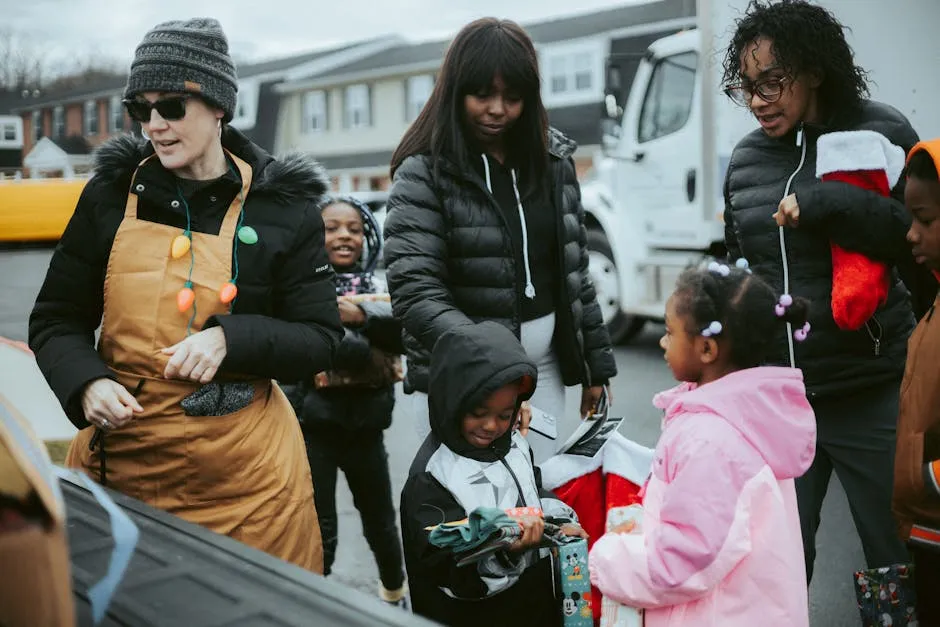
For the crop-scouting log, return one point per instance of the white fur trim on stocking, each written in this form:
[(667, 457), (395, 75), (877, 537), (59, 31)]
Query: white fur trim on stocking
[(627, 459), (849, 151), (560, 469)]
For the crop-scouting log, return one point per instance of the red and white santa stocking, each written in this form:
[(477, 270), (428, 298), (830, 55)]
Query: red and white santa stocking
[(869, 160)]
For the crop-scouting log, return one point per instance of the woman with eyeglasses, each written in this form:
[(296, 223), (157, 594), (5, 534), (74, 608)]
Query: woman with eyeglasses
[(203, 260), (789, 63)]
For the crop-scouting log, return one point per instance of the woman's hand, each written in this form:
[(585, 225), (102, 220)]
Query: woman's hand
[(198, 357), (350, 314), (572, 529), (525, 417), (788, 212), (590, 395), (107, 404), (532, 529)]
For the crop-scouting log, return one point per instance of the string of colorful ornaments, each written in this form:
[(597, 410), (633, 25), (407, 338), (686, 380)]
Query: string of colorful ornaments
[(182, 244)]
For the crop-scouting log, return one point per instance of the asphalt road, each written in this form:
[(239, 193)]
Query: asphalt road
[(642, 373)]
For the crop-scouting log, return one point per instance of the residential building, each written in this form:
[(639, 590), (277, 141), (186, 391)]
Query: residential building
[(11, 134), (353, 116), (62, 127)]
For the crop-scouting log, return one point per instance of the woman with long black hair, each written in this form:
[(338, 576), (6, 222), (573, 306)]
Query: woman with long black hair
[(485, 223)]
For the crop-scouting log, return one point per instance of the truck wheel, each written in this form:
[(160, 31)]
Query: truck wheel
[(621, 326)]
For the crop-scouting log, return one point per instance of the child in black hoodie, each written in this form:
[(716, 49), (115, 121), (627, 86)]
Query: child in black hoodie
[(474, 457), (344, 412)]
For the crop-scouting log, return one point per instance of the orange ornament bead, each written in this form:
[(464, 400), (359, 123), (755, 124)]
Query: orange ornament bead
[(227, 293), (181, 245), (185, 299)]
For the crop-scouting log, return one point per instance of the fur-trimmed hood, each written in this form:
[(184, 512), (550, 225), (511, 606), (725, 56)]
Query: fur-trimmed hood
[(288, 178)]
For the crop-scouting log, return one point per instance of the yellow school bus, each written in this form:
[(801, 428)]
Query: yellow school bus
[(35, 210)]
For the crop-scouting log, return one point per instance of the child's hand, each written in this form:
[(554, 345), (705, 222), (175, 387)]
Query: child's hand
[(532, 529), (627, 527), (350, 314), (571, 529), (525, 417)]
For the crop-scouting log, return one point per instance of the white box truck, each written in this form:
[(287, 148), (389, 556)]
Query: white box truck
[(654, 200)]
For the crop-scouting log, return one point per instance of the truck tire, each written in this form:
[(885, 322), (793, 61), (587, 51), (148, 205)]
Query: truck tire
[(603, 270)]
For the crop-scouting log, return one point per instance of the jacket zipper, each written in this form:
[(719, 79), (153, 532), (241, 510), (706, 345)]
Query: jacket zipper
[(517, 306), (800, 141), (876, 340)]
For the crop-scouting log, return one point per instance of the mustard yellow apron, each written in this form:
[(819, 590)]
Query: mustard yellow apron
[(244, 474)]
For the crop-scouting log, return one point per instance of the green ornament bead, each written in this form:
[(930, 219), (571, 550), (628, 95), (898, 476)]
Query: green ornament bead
[(247, 235)]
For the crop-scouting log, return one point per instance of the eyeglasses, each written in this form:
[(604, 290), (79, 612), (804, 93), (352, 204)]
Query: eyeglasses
[(769, 90), (170, 108)]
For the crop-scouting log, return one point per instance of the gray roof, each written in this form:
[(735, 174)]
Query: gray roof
[(551, 31), (116, 82), (98, 84), (286, 63)]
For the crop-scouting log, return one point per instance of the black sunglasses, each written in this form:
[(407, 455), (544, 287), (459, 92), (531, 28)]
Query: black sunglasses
[(170, 108)]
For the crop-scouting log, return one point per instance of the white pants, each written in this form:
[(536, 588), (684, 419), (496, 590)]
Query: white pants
[(549, 394)]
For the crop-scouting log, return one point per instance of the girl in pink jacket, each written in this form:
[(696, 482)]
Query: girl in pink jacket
[(719, 543)]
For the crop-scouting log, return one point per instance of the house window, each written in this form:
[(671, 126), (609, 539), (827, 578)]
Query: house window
[(35, 119), (116, 114), (668, 100), (314, 112), (9, 132), (583, 71), (91, 117), (558, 74), (58, 122), (358, 112), (571, 73), (417, 91)]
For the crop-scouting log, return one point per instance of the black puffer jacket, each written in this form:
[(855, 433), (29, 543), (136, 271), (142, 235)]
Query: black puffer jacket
[(449, 259), (284, 324), (832, 360)]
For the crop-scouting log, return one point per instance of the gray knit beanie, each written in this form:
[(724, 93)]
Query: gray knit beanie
[(191, 57)]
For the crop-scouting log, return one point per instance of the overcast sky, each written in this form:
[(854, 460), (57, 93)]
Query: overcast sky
[(259, 29)]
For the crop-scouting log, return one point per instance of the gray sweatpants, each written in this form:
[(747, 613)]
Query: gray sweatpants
[(855, 437)]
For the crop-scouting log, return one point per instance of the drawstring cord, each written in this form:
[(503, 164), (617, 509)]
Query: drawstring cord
[(529, 287)]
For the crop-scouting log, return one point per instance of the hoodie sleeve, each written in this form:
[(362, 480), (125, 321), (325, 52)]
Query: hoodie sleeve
[(424, 503), (701, 535)]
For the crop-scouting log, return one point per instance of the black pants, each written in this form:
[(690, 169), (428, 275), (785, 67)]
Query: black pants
[(856, 439), (362, 457), (927, 584)]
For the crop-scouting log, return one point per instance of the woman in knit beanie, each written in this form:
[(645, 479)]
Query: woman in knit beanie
[(202, 257)]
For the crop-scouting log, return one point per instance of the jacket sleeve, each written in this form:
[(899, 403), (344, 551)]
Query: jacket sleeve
[(299, 339), (702, 534), (599, 353), (424, 503), (416, 255), (861, 220), (68, 309), (381, 327)]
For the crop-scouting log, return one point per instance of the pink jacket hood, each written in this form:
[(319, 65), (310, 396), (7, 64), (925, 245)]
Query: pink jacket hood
[(767, 405)]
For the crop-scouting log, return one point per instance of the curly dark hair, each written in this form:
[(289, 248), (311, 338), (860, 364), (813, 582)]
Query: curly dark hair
[(922, 166), (744, 305), (805, 38)]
